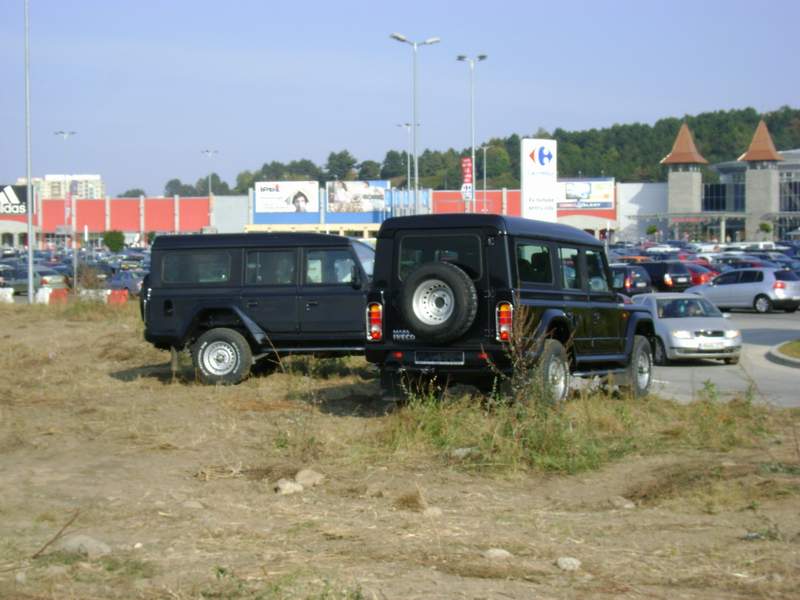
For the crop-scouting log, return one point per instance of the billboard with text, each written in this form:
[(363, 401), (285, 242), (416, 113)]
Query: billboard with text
[(356, 196), (540, 191), (286, 196), (13, 200), (587, 194)]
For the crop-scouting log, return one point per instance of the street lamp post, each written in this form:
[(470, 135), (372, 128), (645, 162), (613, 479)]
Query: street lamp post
[(70, 202), (484, 148), (471, 62), (414, 122), (408, 154), (30, 203), (209, 154)]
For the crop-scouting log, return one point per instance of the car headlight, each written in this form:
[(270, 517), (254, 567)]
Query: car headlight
[(732, 333), (682, 335)]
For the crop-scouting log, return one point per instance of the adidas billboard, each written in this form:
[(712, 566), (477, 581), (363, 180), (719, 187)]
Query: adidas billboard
[(13, 200)]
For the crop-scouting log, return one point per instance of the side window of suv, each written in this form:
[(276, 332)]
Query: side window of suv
[(533, 263), (191, 267), (568, 260), (329, 267), (596, 272), (271, 267)]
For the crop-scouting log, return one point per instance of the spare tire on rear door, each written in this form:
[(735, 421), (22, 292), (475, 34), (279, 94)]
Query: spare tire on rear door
[(439, 302)]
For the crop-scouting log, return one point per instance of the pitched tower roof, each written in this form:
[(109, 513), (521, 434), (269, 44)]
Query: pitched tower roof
[(684, 151), (761, 148)]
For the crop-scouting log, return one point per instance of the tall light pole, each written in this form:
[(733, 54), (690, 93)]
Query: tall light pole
[(408, 154), (414, 122), (30, 203), (70, 202), (471, 62), (209, 154), (484, 148)]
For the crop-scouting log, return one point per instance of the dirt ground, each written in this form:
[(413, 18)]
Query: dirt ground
[(177, 478)]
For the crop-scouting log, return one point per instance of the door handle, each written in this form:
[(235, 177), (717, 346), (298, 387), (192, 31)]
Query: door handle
[(311, 304), (252, 303), (596, 317)]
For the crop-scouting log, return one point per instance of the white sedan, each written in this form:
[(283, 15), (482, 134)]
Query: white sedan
[(689, 326)]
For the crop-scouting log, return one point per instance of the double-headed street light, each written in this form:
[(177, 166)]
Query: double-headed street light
[(209, 154), (471, 62), (428, 42), (72, 206)]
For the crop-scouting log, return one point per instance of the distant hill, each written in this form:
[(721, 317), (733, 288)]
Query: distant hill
[(627, 152)]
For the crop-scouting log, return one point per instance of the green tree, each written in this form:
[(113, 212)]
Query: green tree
[(244, 181), (369, 169), (132, 193), (114, 240), (340, 165), (394, 165), (174, 187), (218, 187), (302, 170)]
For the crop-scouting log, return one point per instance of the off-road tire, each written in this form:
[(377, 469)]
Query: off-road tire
[(639, 375), (452, 285), (222, 356), (762, 304), (553, 366), (659, 353)]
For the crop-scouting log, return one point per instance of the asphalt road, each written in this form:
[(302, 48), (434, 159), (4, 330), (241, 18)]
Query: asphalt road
[(772, 383)]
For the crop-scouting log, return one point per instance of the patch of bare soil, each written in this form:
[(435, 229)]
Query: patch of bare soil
[(178, 479)]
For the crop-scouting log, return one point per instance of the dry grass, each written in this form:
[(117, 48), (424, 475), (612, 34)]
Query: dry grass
[(791, 349)]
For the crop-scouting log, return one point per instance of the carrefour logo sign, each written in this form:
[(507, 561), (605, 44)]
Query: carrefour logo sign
[(10, 204), (542, 155)]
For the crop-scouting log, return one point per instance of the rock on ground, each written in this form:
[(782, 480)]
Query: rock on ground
[(568, 563), (309, 478), (84, 545), (287, 486), (621, 503), (497, 554)]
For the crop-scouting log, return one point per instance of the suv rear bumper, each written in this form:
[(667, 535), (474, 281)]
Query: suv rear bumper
[(450, 360)]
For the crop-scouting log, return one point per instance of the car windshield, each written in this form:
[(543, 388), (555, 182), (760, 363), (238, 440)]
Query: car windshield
[(461, 250), (678, 308)]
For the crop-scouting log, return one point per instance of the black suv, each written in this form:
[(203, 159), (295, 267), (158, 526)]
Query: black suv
[(447, 290), (668, 275), (237, 298)]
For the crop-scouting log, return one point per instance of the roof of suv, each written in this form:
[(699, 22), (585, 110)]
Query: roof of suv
[(246, 240), (508, 225)]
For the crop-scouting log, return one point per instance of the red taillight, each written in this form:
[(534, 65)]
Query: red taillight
[(779, 285), (667, 279), (628, 283), (374, 322), (505, 321)]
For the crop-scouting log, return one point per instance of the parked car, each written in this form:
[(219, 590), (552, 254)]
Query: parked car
[(668, 276), (42, 277), (448, 290), (630, 279), (700, 274), (689, 326), (127, 280), (759, 289), (233, 299)]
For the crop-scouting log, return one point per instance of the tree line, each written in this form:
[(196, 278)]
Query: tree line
[(629, 152)]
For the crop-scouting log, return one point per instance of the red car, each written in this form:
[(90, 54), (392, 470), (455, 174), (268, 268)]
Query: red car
[(700, 274)]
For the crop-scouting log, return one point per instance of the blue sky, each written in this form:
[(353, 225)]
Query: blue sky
[(148, 84)]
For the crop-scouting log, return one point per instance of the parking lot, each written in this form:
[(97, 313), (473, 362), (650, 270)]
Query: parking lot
[(771, 382)]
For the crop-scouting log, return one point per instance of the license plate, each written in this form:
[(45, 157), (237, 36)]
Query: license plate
[(641, 284), (439, 358), (711, 346), (681, 279)]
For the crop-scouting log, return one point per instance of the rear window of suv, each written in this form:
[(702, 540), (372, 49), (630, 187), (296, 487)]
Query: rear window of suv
[(786, 276), (461, 250)]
